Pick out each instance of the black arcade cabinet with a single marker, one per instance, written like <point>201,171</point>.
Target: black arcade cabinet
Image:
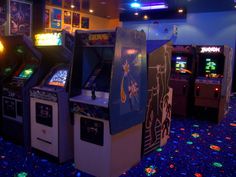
<point>108,88</point>
<point>156,128</point>
<point>182,79</point>
<point>8,64</point>
<point>51,128</point>
<point>213,81</point>
<point>21,75</point>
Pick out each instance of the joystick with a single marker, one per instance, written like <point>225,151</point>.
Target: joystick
<point>93,92</point>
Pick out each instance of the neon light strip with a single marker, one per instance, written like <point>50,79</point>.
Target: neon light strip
<point>159,6</point>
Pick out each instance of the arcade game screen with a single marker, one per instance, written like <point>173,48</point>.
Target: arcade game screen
<point>26,72</point>
<point>102,82</point>
<point>180,64</point>
<point>59,78</point>
<point>97,64</point>
<point>102,74</point>
<point>211,67</point>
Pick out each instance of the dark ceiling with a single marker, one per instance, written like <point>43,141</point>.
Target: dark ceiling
<point>112,8</point>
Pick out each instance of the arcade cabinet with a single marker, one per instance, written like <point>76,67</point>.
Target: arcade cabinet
<point>108,88</point>
<point>51,128</point>
<point>213,81</point>
<point>156,128</point>
<point>15,95</point>
<point>8,63</point>
<point>182,79</point>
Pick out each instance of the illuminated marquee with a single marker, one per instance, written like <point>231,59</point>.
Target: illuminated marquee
<point>99,38</point>
<point>48,39</point>
<point>210,50</point>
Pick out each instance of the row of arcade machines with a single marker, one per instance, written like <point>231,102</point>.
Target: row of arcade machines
<point>24,109</point>
<point>201,78</point>
<point>119,97</point>
<point>118,113</point>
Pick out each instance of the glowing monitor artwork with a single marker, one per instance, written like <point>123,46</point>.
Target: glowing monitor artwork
<point>59,78</point>
<point>181,64</point>
<point>26,72</point>
<point>210,66</point>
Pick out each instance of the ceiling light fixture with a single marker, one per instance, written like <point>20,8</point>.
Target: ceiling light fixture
<point>180,11</point>
<point>135,5</point>
<point>91,10</point>
<point>145,17</point>
<point>72,6</point>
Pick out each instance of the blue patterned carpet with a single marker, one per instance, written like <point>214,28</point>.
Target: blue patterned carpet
<point>196,148</point>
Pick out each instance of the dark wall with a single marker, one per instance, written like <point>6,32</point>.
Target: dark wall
<point>234,72</point>
<point>38,16</point>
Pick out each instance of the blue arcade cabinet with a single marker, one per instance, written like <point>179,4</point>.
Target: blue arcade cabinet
<point>108,89</point>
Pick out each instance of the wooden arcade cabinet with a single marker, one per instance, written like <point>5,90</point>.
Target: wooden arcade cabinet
<point>213,82</point>
<point>182,79</point>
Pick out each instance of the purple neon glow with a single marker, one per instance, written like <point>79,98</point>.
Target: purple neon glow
<point>153,5</point>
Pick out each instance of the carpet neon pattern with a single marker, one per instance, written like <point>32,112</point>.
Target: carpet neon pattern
<point>196,148</point>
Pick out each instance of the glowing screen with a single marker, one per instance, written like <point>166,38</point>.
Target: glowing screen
<point>181,64</point>
<point>26,72</point>
<point>59,78</point>
<point>210,66</point>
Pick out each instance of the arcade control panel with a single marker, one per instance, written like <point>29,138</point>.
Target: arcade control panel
<point>207,92</point>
